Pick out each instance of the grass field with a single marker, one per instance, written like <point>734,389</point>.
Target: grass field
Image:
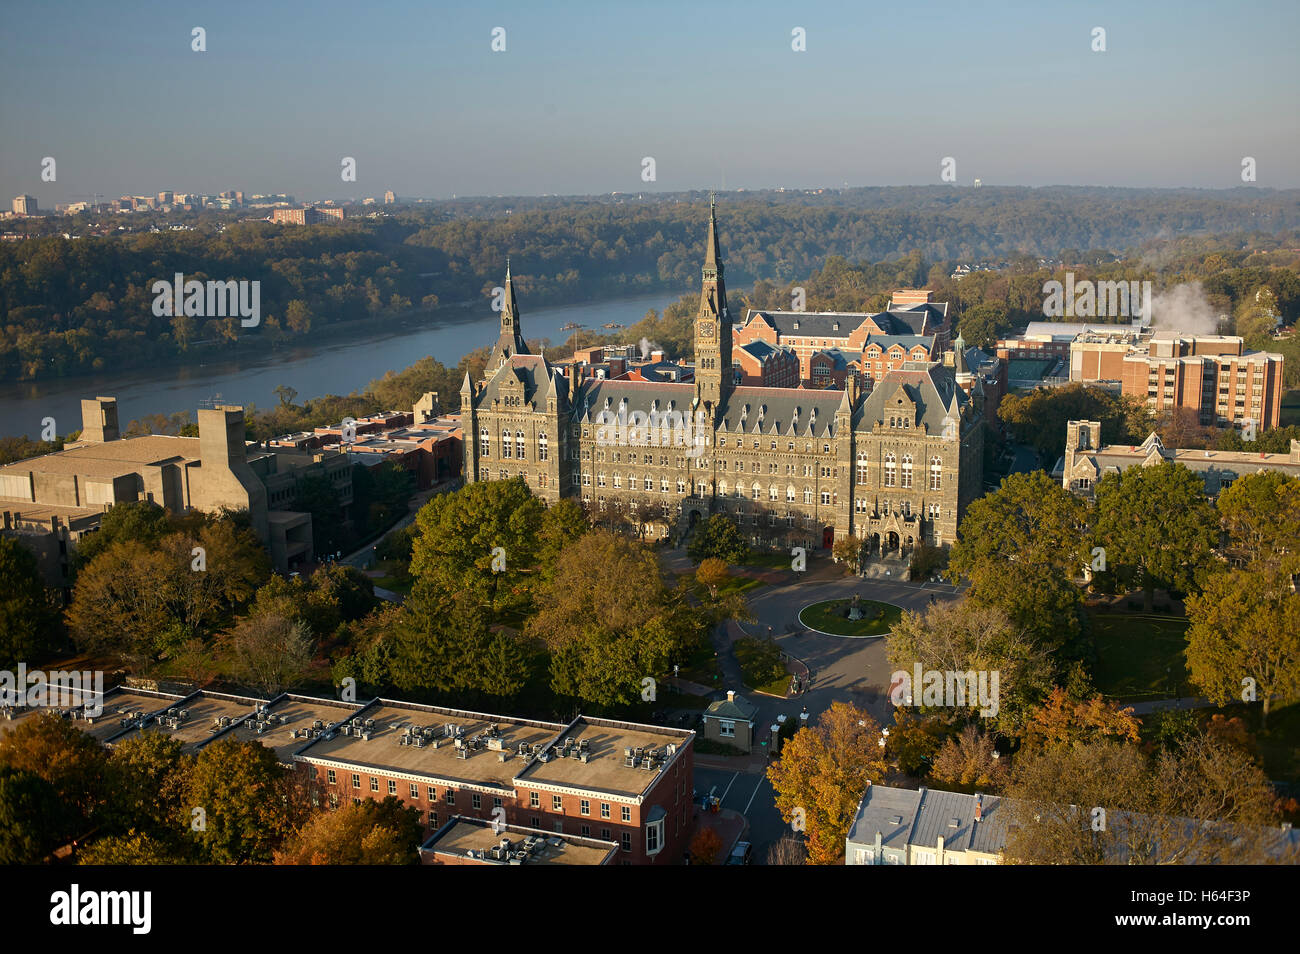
<point>1027,369</point>
<point>1140,657</point>
<point>829,616</point>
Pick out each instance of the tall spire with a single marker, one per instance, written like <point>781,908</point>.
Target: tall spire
<point>511,340</point>
<point>714,377</point>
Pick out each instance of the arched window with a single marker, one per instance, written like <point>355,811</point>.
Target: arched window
<point>647,483</point>
<point>774,492</point>
<point>862,467</point>
<point>722,488</point>
<point>541,446</point>
<point>519,445</point>
<point>936,473</point>
<point>485,442</point>
<point>740,489</point>
<point>756,491</point>
<point>505,444</point>
<point>790,493</point>
<point>891,470</point>
<point>807,495</point>
<point>600,479</point>
<point>907,470</point>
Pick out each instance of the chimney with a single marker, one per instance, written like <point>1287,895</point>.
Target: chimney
<point>979,806</point>
<point>99,420</point>
<point>731,695</point>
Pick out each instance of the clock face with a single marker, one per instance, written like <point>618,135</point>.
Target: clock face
<point>706,329</point>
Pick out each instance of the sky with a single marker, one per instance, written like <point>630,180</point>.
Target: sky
<point>713,92</point>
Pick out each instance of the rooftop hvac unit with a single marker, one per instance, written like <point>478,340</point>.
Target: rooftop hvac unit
<point>462,753</point>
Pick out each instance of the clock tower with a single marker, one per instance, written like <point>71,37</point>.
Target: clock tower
<point>714,377</point>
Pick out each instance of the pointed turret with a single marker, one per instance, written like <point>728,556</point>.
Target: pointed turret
<point>959,355</point>
<point>511,340</point>
<point>714,376</point>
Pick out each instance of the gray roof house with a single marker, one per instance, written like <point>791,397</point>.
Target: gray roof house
<point>899,826</point>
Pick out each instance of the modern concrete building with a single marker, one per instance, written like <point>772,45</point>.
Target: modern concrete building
<point>52,500</point>
<point>25,205</point>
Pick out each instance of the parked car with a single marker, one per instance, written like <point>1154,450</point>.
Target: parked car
<point>742,854</point>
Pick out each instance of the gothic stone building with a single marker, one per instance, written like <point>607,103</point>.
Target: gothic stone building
<point>793,467</point>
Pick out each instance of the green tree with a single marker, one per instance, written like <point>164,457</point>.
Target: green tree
<point>29,624</point>
<point>1260,513</point>
<point>145,779</point>
<point>132,848</point>
<point>1156,526</point>
<point>1245,634</point>
<point>141,521</point>
<point>33,821</point>
<point>721,538</point>
<point>68,759</point>
<point>1039,418</point>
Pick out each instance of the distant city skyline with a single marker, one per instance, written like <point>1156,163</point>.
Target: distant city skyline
<point>583,93</point>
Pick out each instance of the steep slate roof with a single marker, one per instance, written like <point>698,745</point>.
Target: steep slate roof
<point>639,395</point>
<point>924,816</point>
<point>910,321</point>
<point>778,407</point>
<point>536,373</point>
<point>907,342</point>
<point>922,383</point>
<point>920,318</point>
<point>759,349</point>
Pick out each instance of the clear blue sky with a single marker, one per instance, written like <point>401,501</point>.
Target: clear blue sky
<point>584,90</point>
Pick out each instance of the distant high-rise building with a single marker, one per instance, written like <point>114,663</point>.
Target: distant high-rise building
<point>165,198</point>
<point>25,205</point>
<point>239,198</point>
<point>390,197</point>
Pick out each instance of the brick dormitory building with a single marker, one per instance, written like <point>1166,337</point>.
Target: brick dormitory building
<point>793,466</point>
<point>589,782</point>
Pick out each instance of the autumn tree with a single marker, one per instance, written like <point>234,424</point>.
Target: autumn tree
<point>1039,417</point>
<point>236,803</point>
<point>823,772</point>
<point>1156,526</point>
<point>787,851</point>
<point>145,778</point>
<point>964,637</point>
<point>1063,720</point>
<point>131,848</point>
<point>712,572</point>
<point>1244,638</point>
<point>372,833</point>
<point>705,847</point>
<point>970,761</point>
<point>1105,802</point>
<point>60,753</point>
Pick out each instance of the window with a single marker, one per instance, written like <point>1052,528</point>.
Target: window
<point>356,780</point>
<point>485,443</point>
<point>891,468</point>
<point>627,841</point>
<point>756,491</point>
<point>936,473</point>
<point>476,800</point>
<point>807,495</point>
<point>627,813</point>
<point>604,810</point>
<point>433,819</point>
<point>862,467</point>
<point>557,803</point>
<point>392,786</point>
<point>534,800</point>
<point>654,837</point>
<point>826,496</point>
<point>727,728</point>
<point>604,833</point>
<point>907,470</point>
<point>433,794</point>
<point>519,445</point>
<point>541,447</point>
<point>496,802</point>
<point>374,784</point>
<point>505,444</point>
<point>451,796</point>
<point>586,830</point>
<point>584,806</point>
<point>415,790</point>
<point>330,777</point>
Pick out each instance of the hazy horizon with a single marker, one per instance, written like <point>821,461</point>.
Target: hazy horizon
<point>583,93</point>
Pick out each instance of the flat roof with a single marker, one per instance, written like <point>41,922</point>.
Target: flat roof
<point>524,846</point>
<point>200,723</point>
<point>291,720</point>
<point>389,721</point>
<point>606,768</point>
<point>119,705</point>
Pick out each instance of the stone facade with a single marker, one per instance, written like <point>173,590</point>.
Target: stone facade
<point>793,467</point>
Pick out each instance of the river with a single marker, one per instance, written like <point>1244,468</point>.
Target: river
<point>336,366</point>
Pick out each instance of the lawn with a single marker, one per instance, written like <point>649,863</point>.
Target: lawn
<point>831,616</point>
<point>1027,369</point>
<point>1140,657</point>
<point>761,666</point>
<point>1289,411</point>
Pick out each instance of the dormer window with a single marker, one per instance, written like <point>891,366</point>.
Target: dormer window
<point>796,326</point>
<point>835,326</point>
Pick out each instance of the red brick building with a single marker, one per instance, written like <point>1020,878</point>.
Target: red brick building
<point>763,365</point>
<point>592,778</point>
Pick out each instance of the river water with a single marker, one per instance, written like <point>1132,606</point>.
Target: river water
<point>338,366</point>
